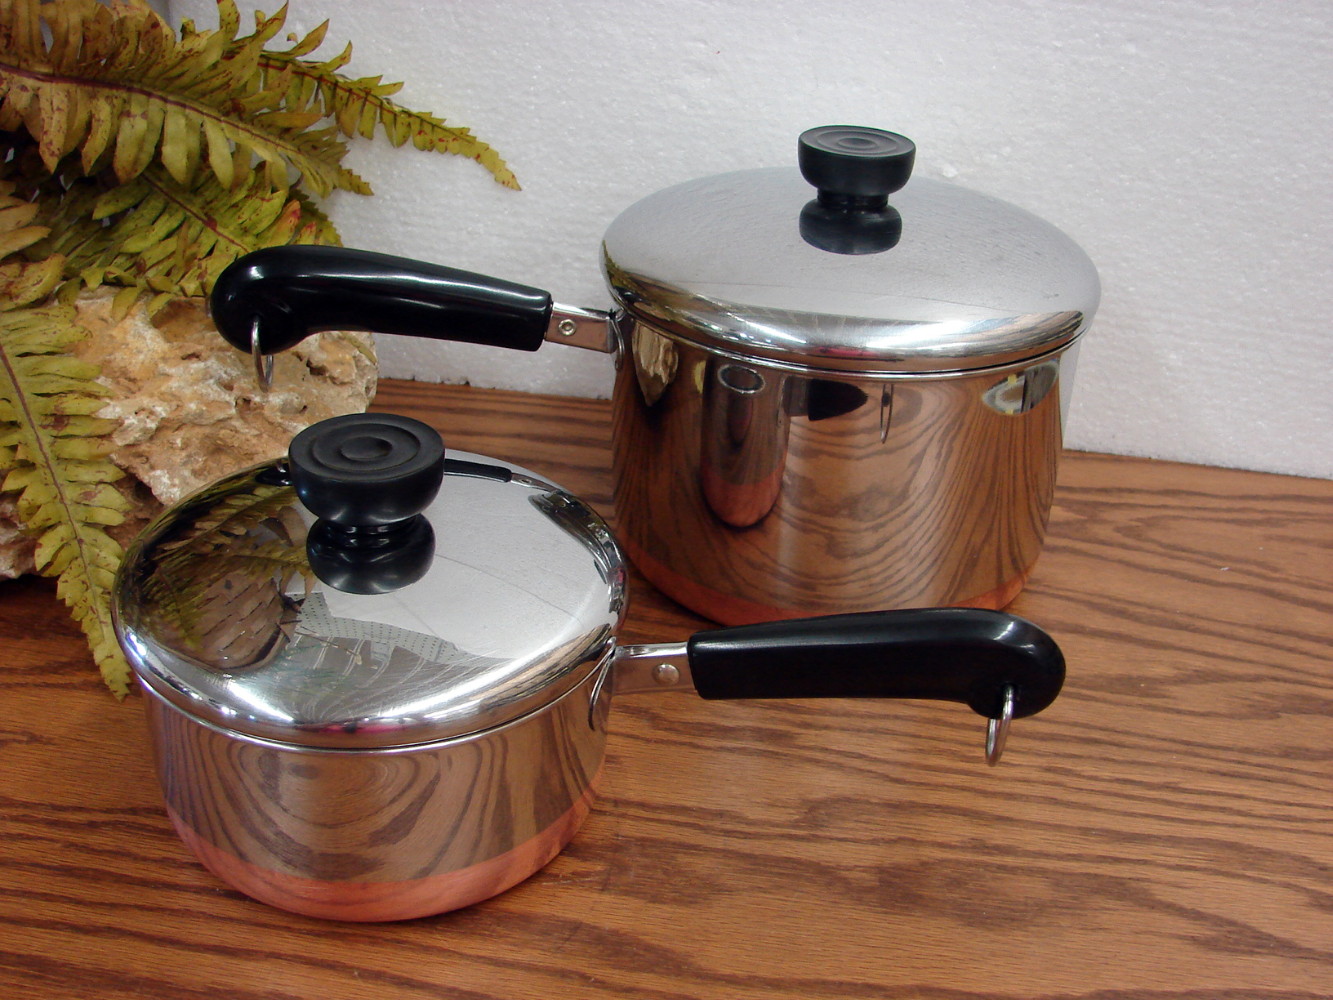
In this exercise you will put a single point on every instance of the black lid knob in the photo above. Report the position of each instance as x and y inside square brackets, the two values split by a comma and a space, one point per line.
[367, 469]
[855, 162]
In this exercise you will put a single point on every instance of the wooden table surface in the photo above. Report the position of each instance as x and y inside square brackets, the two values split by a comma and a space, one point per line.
[1165, 830]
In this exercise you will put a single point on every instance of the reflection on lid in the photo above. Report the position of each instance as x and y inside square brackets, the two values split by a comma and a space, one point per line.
[364, 675]
[379, 638]
[218, 581]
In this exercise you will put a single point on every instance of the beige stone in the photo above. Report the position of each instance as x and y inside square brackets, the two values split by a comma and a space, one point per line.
[190, 408]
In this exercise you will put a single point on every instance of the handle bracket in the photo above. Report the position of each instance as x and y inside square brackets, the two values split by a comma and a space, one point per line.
[577, 327]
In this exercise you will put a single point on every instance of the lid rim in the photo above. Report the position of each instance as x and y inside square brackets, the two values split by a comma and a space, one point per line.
[292, 746]
[872, 368]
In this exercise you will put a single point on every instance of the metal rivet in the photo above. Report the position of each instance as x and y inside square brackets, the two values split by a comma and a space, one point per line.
[739, 378]
[567, 328]
[666, 675]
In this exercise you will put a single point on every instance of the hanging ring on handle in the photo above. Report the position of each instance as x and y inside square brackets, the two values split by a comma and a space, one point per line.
[997, 730]
[263, 362]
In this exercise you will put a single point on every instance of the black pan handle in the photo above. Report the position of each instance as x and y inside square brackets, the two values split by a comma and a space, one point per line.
[283, 294]
[967, 655]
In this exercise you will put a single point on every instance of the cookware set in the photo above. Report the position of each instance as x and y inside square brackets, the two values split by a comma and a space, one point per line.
[378, 671]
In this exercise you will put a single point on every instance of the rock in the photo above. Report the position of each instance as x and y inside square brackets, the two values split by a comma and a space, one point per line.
[190, 408]
[16, 547]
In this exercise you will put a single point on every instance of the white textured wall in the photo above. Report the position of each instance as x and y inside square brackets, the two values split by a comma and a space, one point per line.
[1184, 144]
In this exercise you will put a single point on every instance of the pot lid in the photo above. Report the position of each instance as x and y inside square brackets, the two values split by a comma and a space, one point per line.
[850, 263]
[307, 601]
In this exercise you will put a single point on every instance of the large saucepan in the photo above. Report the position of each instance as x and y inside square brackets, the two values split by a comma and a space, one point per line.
[822, 404]
[378, 675]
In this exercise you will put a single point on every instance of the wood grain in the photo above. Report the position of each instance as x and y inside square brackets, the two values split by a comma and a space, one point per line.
[1161, 833]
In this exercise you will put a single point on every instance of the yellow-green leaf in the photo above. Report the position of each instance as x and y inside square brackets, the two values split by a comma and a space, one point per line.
[16, 239]
[180, 144]
[103, 116]
[138, 135]
[123, 302]
[311, 41]
[219, 152]
[14, 213]
[117, 200]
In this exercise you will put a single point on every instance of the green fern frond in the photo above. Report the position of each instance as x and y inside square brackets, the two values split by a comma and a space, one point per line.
[55, 463]
[117, 85]
[158, 236]
[359, 106]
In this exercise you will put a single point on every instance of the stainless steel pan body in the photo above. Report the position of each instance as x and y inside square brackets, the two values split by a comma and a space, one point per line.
[752, 493]
[378, 834]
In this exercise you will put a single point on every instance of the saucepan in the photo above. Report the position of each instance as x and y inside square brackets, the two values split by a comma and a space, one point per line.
[822, 404]
[378, 673]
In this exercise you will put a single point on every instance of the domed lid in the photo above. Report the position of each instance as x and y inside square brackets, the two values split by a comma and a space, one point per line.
[849, 263]
[336, 599]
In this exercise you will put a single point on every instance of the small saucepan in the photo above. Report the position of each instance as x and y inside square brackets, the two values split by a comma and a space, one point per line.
[378, 674]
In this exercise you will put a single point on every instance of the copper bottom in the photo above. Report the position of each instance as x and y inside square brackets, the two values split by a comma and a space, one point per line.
[727, 609]
[380, 901]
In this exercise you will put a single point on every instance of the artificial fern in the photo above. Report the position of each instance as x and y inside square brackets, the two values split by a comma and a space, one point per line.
[357, 106]
[168, 238]
[50, 445]
[145, 159]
